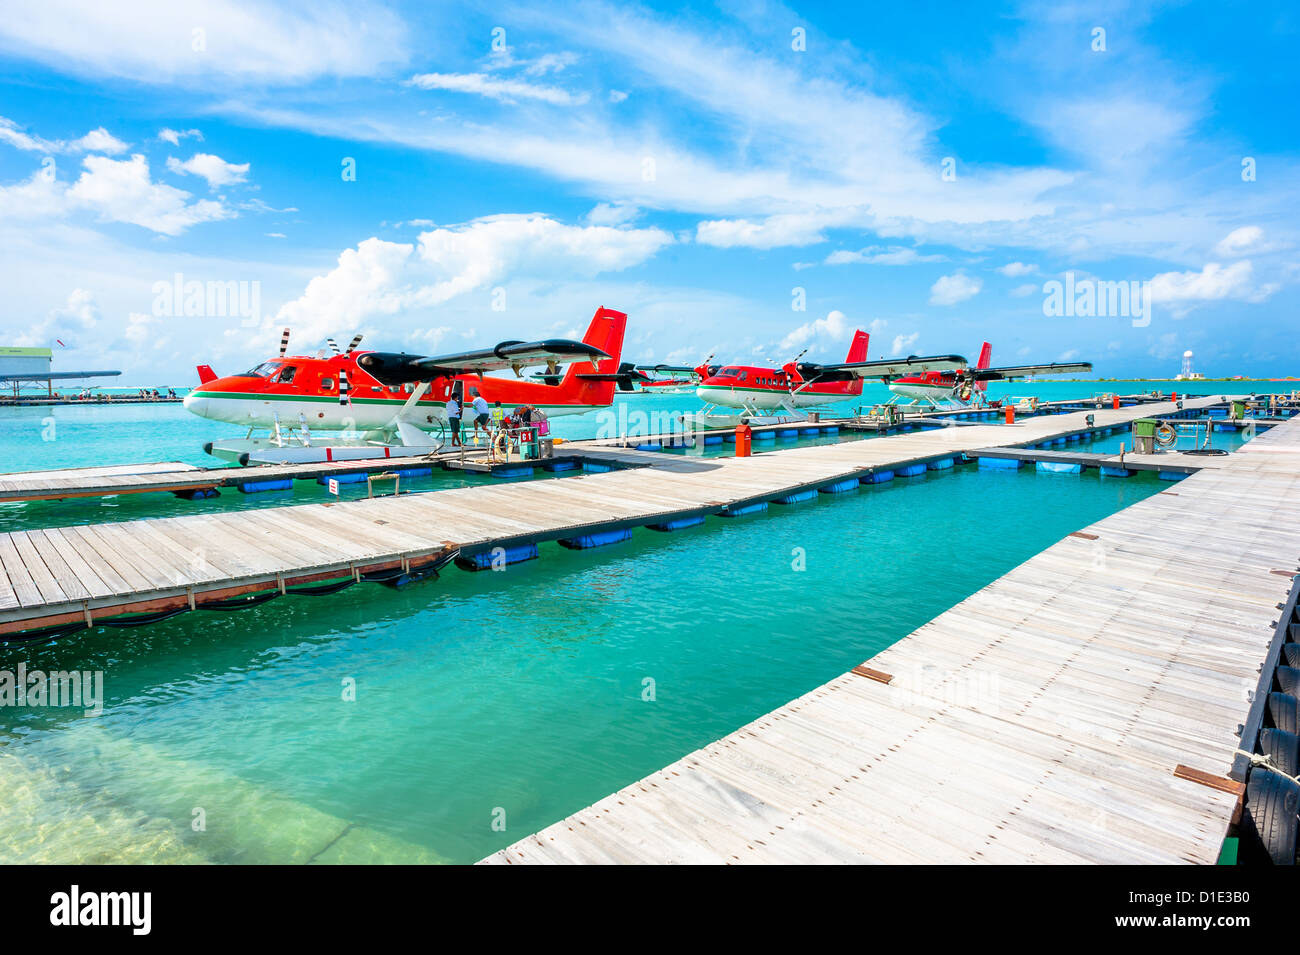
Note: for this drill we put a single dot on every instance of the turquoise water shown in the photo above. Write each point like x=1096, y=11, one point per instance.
x=512, y=698
x=518, y=691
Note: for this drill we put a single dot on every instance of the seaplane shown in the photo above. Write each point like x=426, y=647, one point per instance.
x=967, y=387
x=774, y=395
x=392, y=404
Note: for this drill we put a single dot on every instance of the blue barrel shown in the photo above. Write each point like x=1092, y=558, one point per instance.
x=876, y=477
x=1059, y=467
x=342, y=479
x=734, y=511
x=840, y=487
x=939, y=464
x=498, y=557
x=255, y=487
x=1108, y=471
x=560, y=466
x=1001, y=464
x=797, y=496
x=598, y=539
x=514, y=472
x=910, y=470
x=677, y=524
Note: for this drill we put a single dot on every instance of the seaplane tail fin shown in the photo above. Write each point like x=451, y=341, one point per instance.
x=986, y=356
x=206, y=374
x=858, y=348
x=857, y=352
x=585, y=385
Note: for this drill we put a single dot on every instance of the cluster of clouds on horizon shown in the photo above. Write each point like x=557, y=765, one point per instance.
x=807, y=158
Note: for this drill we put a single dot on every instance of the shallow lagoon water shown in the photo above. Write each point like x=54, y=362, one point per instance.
x=492, y=699
x=515, y=695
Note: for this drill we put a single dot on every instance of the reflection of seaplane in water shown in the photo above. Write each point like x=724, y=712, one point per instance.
x=773, y=395
x=966, y=387
x=389, y=404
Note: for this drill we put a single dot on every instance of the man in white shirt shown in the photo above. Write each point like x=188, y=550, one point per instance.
x=453, y=419
x=481, y=414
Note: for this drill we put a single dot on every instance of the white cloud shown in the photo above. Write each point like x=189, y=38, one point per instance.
x=617, y=96
x=67, y=324
x=903, y=344
x=1211, y=283
x=777, y=230
x=214, y=169
x=831, y=329
x=116, y=190
x=550, y=63
x=951, y=289
x=1014, y=270
x=616, y=213
x=241, y=39
x=122, y=191
x=383, y=278
x=1240, y=241
x=879, y=255
x=174, y=136
x=97, y=140
x=484, y=84
x=1023, y=291
x=143, y=331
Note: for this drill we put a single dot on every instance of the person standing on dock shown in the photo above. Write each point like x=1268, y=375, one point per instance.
x=481, y=416
x=453, y=420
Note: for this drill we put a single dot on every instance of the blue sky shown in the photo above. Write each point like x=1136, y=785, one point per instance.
x=920, y=170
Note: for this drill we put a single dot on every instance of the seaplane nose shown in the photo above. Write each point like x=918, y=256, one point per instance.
x=196, y=405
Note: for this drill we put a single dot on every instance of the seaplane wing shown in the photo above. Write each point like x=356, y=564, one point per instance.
x=396, y=368
x=882, y=368
x=1009, y=372
x=670, y=369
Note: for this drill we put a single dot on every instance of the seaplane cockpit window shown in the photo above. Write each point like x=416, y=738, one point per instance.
x=264, y=370
x=730, y=372
x=286, y=374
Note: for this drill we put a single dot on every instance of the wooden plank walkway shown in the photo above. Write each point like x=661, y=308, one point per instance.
x=1042, y=719
x=175, y=476
x=59, y=576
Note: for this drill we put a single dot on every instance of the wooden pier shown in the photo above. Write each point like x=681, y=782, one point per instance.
x=1083, y=708
x=66, y=576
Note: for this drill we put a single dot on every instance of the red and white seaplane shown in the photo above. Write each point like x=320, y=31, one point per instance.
x=966, y=387
x=393, y=404
x=773, y=395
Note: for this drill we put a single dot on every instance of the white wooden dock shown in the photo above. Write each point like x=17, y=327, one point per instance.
x=1083, y=708
x=59, y=576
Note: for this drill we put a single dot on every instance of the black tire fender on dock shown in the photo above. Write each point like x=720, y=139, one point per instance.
x=1282, y=710
x=1288, y=680
x=1283, y=749
x=1268, y=820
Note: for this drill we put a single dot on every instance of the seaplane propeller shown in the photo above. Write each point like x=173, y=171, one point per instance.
x=284, y=342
